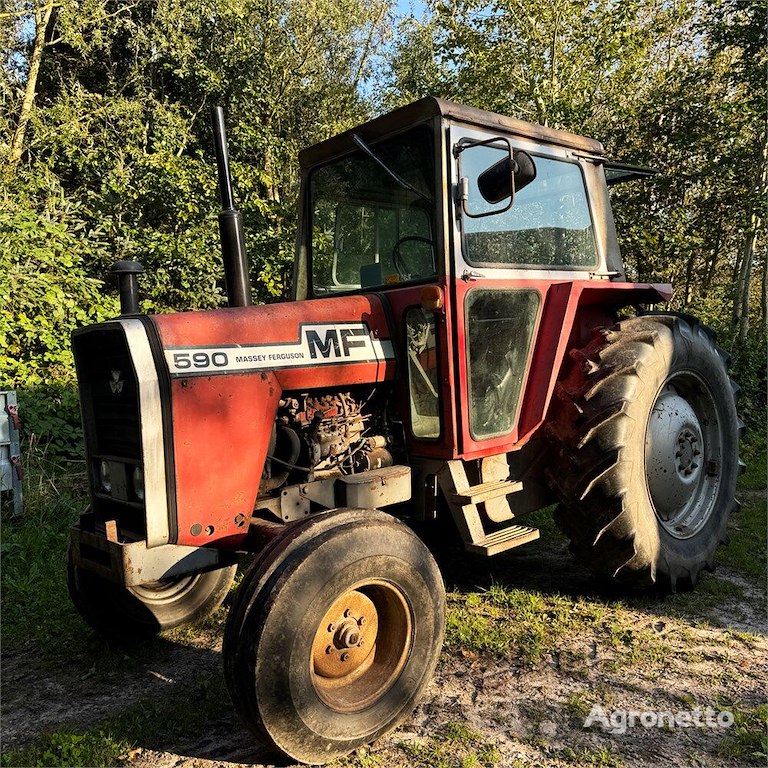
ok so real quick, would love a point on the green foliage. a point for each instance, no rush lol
(117, 159)
(44, 260)
(117, 155)
(50, 413)
(748, 370)
(679, 86)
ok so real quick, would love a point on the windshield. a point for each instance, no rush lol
(368, 228)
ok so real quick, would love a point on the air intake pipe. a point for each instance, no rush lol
(230, 222)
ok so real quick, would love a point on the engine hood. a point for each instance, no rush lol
(284, 339)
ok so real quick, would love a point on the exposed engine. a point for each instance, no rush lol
(323, 434)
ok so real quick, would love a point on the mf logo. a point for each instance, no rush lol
(337, 342)
(116, 383)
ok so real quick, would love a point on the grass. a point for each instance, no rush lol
(33, 552)
(754, 452)
(527, 626)
(600, 757)
(578, 706)
(746, 741)
(456, 745)
(152, 721)
(64, 748)
(746, 551)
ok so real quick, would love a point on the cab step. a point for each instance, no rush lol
(500, 541)
(496, 489)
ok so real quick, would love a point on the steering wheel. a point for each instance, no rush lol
(397, 259)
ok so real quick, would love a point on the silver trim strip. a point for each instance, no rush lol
(152, 442)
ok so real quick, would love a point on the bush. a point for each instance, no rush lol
(49, 294)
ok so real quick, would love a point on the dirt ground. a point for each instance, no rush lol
(511, 712)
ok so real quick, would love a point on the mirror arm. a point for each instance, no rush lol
(463, 189)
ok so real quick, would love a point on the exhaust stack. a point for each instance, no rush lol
(230, 222)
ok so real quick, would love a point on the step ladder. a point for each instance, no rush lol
(465, 501)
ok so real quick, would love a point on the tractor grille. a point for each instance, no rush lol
(109, 399)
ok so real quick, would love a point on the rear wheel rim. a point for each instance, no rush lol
(683, 455)
(166, 592)
(361, 646)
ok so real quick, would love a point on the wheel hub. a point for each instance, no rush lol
(673, 454)
(687, 452)
(681, 459)
(345, 641)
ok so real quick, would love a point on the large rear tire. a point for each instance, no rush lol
(646, 437)
(132, 614)
(335, 633)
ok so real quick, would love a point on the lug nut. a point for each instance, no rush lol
(346, 613)
(331, 627)
(329, 649)
(361, 621)
(344, 656)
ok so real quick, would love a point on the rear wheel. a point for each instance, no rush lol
(334, 634)
(125, 614)
(647, 434)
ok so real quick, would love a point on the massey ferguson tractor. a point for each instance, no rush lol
(462, 346)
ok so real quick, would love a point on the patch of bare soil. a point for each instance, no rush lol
(533, 713)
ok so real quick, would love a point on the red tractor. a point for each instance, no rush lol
(462, 343)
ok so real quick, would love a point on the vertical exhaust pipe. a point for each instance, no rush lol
(230, 222)
(127, 279)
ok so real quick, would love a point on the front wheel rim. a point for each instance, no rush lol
(361, 646)
(683, 455)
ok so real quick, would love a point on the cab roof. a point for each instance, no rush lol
(430, 107)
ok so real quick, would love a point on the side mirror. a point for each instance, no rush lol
(506, 177)
(491, 172)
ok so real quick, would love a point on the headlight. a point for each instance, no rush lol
(138, 483)
(105, 477)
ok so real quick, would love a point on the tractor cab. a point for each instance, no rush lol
(479, 233)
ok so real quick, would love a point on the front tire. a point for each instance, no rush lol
(334, 635)
(132, 614)
(646, 436)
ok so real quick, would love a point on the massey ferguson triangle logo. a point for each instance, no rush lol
(116, 384)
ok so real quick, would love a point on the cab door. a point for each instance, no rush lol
(522, 227)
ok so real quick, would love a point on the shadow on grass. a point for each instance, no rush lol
(104, 706)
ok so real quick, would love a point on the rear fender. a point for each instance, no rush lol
(571, 311)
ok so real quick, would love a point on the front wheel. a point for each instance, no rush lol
(334, 634)
(647, 435)
(125, 614)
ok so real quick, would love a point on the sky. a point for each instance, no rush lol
(409, 8)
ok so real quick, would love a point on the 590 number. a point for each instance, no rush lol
(183, 361)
